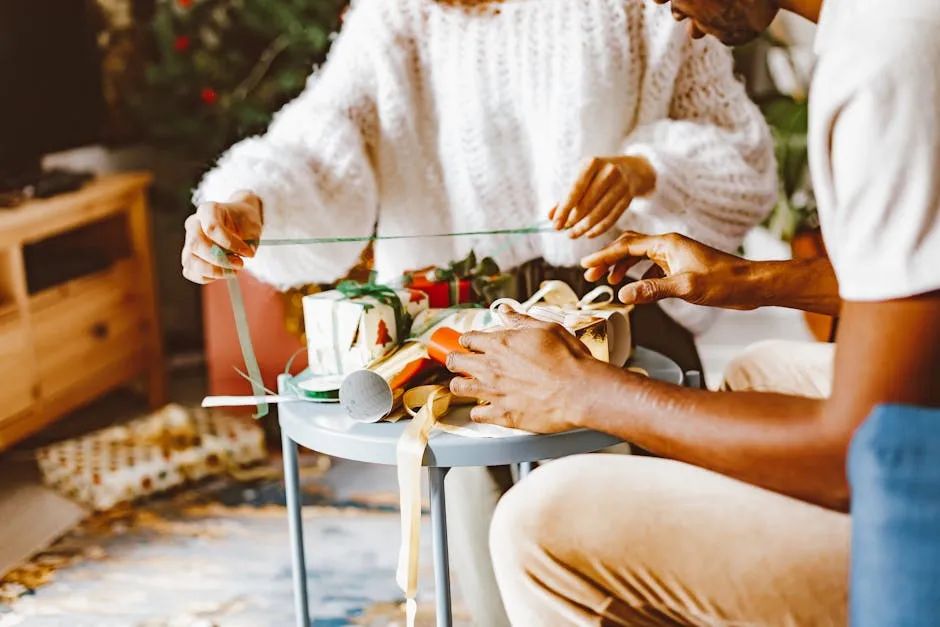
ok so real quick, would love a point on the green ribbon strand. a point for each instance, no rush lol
(531, 230)
(244, 339)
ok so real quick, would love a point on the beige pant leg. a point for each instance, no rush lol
(785, 367)
(627, 540)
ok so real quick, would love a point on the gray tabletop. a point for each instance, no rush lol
(328, 430)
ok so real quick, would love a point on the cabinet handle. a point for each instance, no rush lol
(100, 330)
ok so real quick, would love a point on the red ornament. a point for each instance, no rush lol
(184, 3)
(209, 96)
(181, 43)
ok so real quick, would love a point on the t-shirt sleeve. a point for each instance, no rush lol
(882, 222)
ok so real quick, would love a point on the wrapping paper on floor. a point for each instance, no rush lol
(356, 324)
(149, 455)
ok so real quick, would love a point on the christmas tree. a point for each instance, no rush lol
(222, 68)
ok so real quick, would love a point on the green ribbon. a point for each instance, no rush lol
(244, 339)
(382, 294)
(541, 228)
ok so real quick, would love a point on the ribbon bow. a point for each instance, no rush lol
(382, 294)
(560, 295)
(484, 276)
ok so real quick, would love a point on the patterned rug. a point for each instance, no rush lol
(218, 556)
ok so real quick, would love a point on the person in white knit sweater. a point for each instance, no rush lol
(435, 116)
(432, 117)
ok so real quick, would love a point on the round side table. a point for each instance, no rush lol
(328, 430)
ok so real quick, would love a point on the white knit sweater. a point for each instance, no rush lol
(429, 118)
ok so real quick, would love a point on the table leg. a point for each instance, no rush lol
(524, 469)
(295, 525)
(439, 543)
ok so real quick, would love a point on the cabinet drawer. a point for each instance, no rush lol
(18, 389)
(86, 330)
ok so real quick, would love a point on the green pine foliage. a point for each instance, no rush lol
(221, 68)
(796, 205)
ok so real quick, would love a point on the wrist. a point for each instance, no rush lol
(640, 174)
(752, 284)
(773, 282)
(251, 199)
(603, 379)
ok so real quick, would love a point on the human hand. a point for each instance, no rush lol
(684, 269)
(218, 236)
(531, 375)
(602, 192)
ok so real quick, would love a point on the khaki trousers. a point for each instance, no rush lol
(615, 540)
(627, 540)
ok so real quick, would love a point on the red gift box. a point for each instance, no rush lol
(463, 282)
(442, 294)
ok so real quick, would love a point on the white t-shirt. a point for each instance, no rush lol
(874, 143)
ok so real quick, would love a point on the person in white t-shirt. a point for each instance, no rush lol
(746, 522)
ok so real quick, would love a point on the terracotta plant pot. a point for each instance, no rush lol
(809, 245)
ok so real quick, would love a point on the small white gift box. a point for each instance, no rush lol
(348, 329)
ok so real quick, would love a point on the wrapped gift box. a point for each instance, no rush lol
(441, 293)
(590, 329)
(153, 454)
(355, 325)
(463, 282)
(596, 319)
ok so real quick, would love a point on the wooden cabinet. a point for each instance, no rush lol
(77, 303)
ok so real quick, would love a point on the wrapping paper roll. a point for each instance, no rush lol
(368, 395)
(462, 320)
(442, 342)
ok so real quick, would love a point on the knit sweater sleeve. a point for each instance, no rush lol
(312, 169)
(713, 155)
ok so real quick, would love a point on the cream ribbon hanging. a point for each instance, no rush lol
(434, 401)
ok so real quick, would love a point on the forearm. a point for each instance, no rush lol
(771, 440)
(807, 285)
